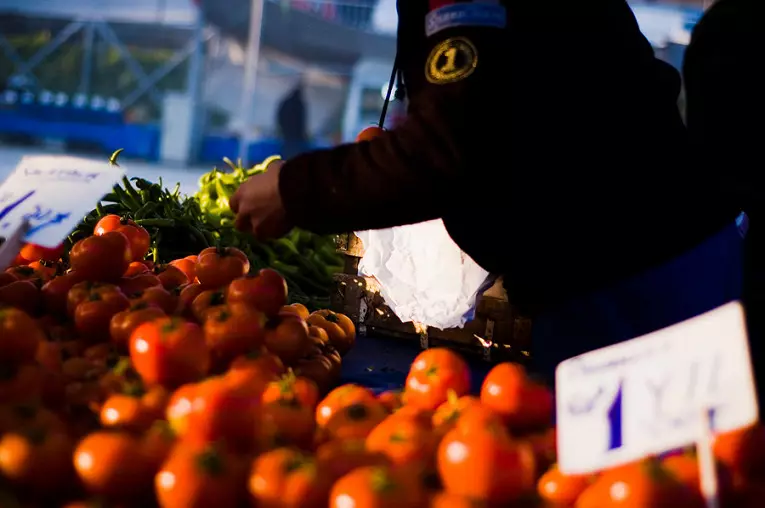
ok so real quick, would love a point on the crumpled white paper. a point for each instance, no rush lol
(424, 276)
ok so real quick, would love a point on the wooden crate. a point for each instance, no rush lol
(498, 332)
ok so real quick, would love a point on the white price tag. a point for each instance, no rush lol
(53, 193)
(648, 395)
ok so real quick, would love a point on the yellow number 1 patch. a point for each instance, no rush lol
(452, 60)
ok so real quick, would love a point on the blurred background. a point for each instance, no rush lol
(183, 83)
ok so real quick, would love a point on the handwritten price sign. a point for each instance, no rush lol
(648, 395)
(52, 194)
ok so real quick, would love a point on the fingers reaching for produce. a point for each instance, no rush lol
(258, 205)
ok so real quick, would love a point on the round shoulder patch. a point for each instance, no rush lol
(452, 60)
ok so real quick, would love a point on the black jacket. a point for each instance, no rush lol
(555, 153)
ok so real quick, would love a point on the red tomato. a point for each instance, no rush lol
(124, 323)
(21, 335)
(434, 373)
(187, 266)
(267, 291)
(522, 403)
(135, 268)
(171, 277)
(23, 294)
(160, 297)
(169, 351)
(93, 316)
(138, 238)
(230, 334)
(32, 252)
(101, 258)
(138, 283)
(55, 291)
(82, 291)
(6, 278)
(219, 266)
(187, 296)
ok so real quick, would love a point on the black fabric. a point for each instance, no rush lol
(560, 162)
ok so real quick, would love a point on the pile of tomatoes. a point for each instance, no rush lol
(196, 385)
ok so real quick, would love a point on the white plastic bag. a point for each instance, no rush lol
(424, 276)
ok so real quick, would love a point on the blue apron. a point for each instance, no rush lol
(700, 280)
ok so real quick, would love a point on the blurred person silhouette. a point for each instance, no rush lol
(291, 118)
(547, 138)
(725, 95)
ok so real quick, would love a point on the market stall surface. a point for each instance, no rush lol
(382, 364)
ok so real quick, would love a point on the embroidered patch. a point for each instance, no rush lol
(452, 60)
(485, 14)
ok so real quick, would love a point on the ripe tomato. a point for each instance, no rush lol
(171, 277)
(32, 252)
(206, 300)
(391, 399)
(289, 479)
(224, 413)
(45, 270)
(23, 272)
(433, 374)
(21, 336)
(81, 292)
(286, 423)
(217, 267)
(645, 483)
(292, 388)
(136, 284)
(258, 362)
(101, 258)
(92, 317)
(338, 458)
(522, 403)
(134, 412)
(318, 369)
(486, 464)
(298, 309)
(370, 133)
(158, 442)
(355, 421)
(378, 486)
(186, 296)
(447, 500)
(230, 334)
(200, 477)
(113, 465)
(6, 278)
(179, 407)
(54, 293)
(446, 415)
(266, 291)
(38, 459)
(124, 323)
(160, 297)
(319, 334)
(404, 440)
(340, 329)
(22, 294)
(288, 339)
(339, 398)
(561, 489)
(135, 268)
(187, 266)
(169, 351)
(138, 238)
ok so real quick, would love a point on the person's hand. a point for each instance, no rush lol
(258, 205)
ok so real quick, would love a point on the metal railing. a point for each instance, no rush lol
(356, 14)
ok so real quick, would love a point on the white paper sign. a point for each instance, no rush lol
(11, 246)
(53, 193)
(648, 395)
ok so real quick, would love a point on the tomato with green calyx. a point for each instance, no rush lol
(200, 477)
(125, 322)
(288, 478)
(136, 409)
(292, 388)
(205, 301)
(101, 258)
(266, 291)
(230, 333)
(433, 374)
(82, 291)
(169, 351)
(138, 238)
(92, 317)
(217, 267)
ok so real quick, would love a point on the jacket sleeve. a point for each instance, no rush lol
(405, 175)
